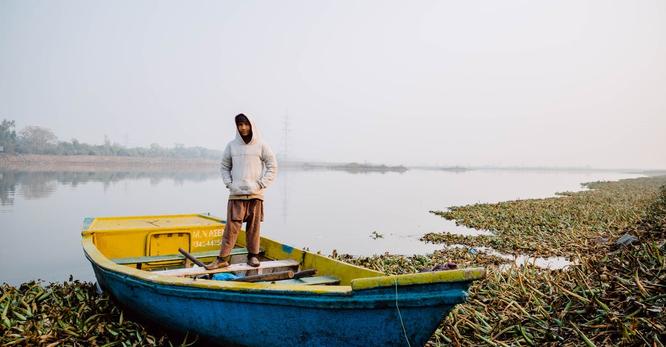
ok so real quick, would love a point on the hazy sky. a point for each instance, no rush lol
(556, 83)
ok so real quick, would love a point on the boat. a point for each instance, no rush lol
(136, 260)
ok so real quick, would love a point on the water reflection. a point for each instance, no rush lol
(41, 184)
(7, 188)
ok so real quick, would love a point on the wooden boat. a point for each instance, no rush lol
(136, 260)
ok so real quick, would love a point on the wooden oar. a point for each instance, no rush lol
(190, 257)
(275, 276)
(305, 273)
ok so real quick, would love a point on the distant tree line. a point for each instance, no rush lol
(40, 140)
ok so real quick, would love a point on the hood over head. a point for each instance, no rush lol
(256, 135)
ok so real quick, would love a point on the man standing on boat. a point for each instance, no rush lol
(248, 168)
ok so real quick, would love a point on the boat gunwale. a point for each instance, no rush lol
(102, 261)
(359, 284)
(288, 297)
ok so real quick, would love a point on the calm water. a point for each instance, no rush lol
(41, 213)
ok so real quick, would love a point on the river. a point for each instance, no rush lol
(41, 213)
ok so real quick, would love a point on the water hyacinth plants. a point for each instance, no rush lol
(71, 313)
(613, 295)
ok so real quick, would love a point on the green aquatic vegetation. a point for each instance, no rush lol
(392, 264)
(375, 235)
(71, 314)
(607, 300)
(614, 296)
(572, 224)
(457, 239)
(654, 218)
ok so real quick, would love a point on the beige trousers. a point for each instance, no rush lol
(239, 211)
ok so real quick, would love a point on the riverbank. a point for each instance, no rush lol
(95, 163)
(614, 295)
(350, 167)
(92, 163)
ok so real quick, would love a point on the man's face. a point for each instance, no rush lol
(244, 128)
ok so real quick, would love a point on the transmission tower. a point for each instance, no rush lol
(285, 156)
(286, 137)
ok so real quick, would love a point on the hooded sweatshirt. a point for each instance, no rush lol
(248, 168)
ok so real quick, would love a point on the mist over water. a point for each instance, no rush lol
(41, 213)
(470, 83)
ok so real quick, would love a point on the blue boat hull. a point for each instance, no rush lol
(381, 316)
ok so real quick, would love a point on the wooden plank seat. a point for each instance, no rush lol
(196, 271)
(314, 280)
(174, 257)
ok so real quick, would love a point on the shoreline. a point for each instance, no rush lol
(88, 163)
(92, 163)
(39, 162)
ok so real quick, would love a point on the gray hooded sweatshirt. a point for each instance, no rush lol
(248, 168)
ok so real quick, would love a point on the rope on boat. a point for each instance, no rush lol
(404, 331)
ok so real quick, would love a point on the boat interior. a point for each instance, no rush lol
(178, 246)
(286, 271)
